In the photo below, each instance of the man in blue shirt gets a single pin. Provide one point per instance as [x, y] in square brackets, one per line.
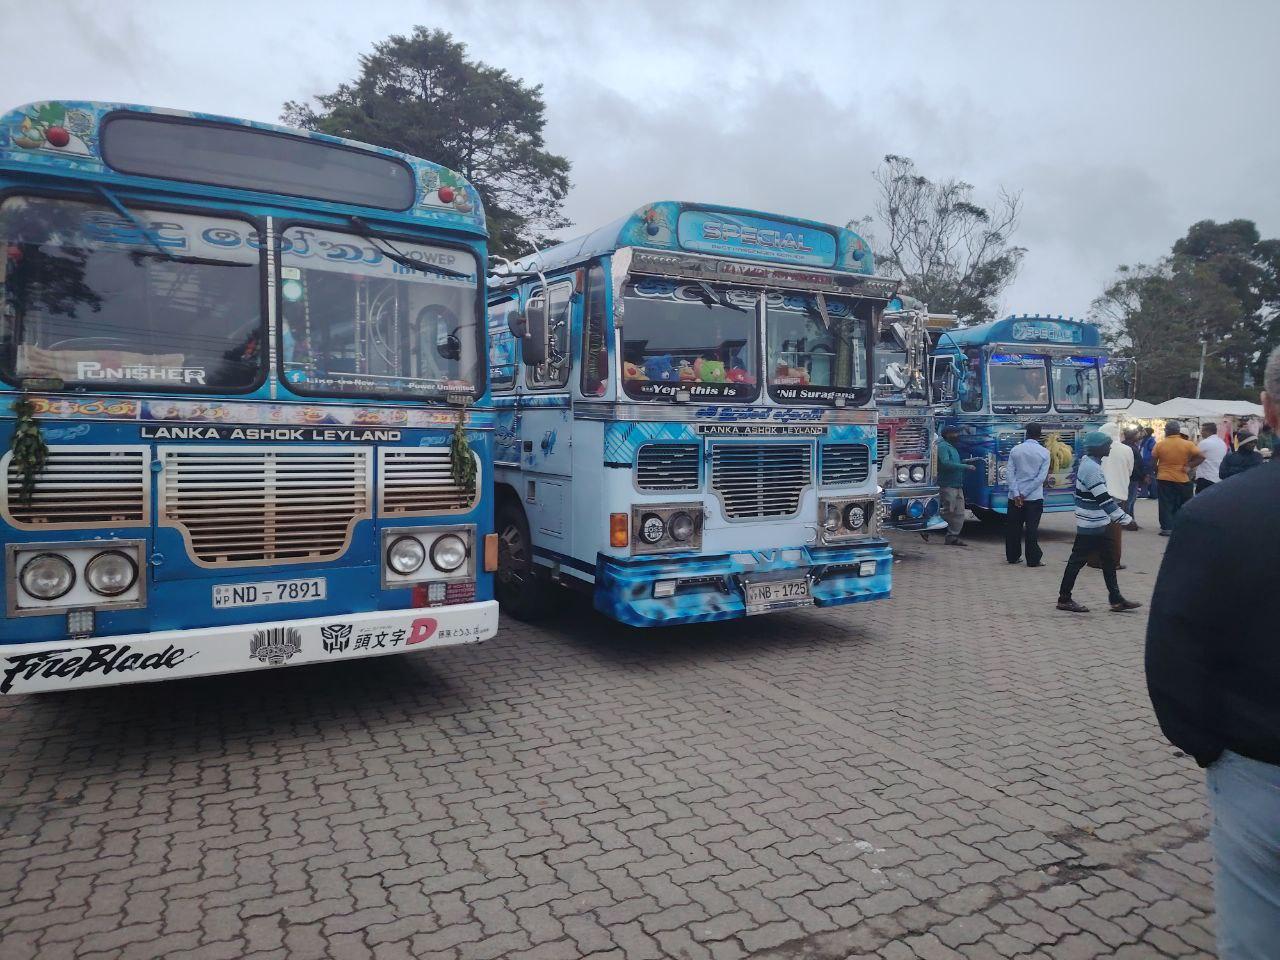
[1095, 512]
[1028, 468]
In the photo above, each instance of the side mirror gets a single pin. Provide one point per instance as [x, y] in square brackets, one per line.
[943, 381]
[535, 339]
[517, 324]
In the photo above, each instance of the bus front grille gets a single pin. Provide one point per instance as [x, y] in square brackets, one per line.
[758, 480]
[910, 440]
[882, 445]
[82, 486]
[668, 466]
[254, 506]
[845, 463]
[418, 482]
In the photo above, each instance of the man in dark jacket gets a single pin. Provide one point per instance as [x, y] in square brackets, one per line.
[1244, 457]
[1215, 684]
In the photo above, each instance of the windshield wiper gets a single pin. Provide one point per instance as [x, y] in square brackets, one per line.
[138, 225]
[396, 256]
[721, 298]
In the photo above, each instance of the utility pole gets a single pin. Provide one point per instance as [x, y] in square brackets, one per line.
[1204, 345]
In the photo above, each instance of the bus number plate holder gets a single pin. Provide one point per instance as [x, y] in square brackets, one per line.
[227, 595]
[768, 595]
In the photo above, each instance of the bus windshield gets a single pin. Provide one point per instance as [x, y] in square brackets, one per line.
[1019, 382]
[1077, 387]
[356, 323]
[817, 349]
[689, 336]
[157, 300]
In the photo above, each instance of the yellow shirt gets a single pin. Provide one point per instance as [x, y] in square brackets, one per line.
[1172, 454]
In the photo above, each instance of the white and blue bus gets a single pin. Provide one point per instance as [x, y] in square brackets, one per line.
[243, 388]
[686, 427]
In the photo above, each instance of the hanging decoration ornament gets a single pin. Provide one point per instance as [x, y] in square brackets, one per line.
[30, 452]
[462, 463]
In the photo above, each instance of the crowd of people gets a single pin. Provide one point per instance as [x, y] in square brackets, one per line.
[1213, 673]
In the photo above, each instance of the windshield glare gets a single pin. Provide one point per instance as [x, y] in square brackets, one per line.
[1076, 384]
[812, 357]
[1019, 381]
[682, 336]
[87, 299]
[355, 322]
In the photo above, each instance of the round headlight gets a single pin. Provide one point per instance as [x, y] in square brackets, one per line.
[832, 520]
[917, 474]
[111, 573]
[1002, 472]
[47, 576]
[855, 517]
[406, 555]
[903, 474]
[448, 553]
[652, 528]
[915, 509]
[681, 526]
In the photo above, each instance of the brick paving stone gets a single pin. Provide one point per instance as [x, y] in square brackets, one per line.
[959, 771]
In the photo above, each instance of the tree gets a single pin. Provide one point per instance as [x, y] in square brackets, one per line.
[952, 253]
[1218, 291]
[423, 96]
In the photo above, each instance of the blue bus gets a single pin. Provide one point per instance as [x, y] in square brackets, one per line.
[686, 427]
[1012, 372]
[244, 413]
[907, 397]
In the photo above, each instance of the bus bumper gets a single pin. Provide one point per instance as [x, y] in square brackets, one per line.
[165, 655]
[917, 510]
[713, 588]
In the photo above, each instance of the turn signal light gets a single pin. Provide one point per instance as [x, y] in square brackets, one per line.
[490, 552]
[619, 536]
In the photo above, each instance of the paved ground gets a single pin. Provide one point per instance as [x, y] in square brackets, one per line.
[959, 772]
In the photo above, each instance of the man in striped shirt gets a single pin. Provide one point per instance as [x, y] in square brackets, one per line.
[1095, 512]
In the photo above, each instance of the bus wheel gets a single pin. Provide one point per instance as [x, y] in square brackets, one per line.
[520, 592]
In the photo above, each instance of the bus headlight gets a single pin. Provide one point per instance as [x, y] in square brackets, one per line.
[831, 521]
[47, 576]
[917, 474]
[843, 519]
[855, 518]
[903, 475]
[680, 526]
[110, 573]
[448, 553]
[652, 529]
[406, 555]
[1002, 472]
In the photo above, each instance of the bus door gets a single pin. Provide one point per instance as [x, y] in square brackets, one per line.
[546, 427]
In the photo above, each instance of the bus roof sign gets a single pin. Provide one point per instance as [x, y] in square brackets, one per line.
[760, 274]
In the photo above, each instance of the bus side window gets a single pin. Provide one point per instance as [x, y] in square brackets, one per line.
[970, 381]
[595, 355]
[504, 348]
[555, 372]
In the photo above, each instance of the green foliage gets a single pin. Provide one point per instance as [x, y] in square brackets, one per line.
[420, 94]
[462, 463]
[1220, 286]
[953, 254]
[30, 452]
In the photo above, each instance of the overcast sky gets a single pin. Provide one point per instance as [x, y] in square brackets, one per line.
[1121, 122]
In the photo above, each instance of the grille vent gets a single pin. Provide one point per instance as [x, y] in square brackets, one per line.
[760, 480]
[1006, 441]
[254, 506]
[845, 463]
[910, 440]
[82, 486]
[882, 445]
[668, 466]
[418, 482]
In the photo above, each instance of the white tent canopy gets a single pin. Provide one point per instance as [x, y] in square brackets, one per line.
[1190, 408]
[1132, 410]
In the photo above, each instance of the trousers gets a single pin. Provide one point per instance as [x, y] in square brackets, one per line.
[1173, 495]
[1086, 547]
[1244, 796]
[952, 510]
[1022, 527]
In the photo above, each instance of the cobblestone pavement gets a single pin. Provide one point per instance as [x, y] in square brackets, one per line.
[959, 772]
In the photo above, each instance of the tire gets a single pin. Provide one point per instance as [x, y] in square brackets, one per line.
[521, 592]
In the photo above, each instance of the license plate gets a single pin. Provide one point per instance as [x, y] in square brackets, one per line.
[268, 591]
[778, 595]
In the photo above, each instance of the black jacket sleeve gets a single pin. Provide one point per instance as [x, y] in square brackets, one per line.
[1186, 618]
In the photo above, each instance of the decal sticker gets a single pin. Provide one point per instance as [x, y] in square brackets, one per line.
[275, 645]
[422, 629]
[336, 637]
[271, 434]
[105, 659]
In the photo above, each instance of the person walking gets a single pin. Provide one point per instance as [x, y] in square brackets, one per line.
[1137, 476]
[951, 471]
[1244, 457]
[1028, 468]
[1174, 457]
[1148, 450]
[1213, 684]
[1096, 511]
[1214, 450]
